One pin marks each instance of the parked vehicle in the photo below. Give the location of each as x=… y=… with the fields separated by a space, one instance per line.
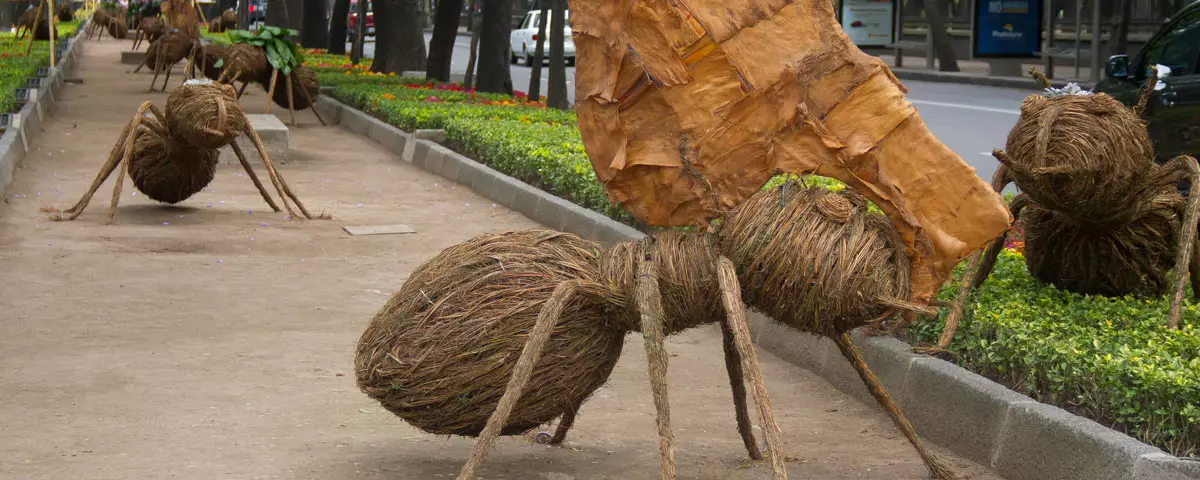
x=352 y=21
x=1173 y=112
x=523 y=40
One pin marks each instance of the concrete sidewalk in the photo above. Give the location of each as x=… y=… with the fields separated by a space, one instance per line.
x=215 y=339
x=976 y=72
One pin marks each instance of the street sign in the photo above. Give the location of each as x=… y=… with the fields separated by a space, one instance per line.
x=869 y=23
x=1007 y=28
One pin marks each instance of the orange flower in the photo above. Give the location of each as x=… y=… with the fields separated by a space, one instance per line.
x=387 y=96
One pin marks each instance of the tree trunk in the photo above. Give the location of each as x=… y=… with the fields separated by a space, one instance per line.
x=943 y=45
x=243 y=14
x=356 y=52
x=399 y=40
x=277 y=13
x=539 y=52
x=469 y=78
x=315 y=31
x=493 y=70
x=556 y=97
x=295 y=13
x=337 y=27
x=441 y=46
x=1120 y=26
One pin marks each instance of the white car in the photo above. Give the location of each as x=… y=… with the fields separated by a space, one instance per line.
x=523 y=40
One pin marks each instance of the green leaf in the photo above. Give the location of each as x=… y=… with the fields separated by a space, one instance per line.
x=273 y=56
x=219 y=63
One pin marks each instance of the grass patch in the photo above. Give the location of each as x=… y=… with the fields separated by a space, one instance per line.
x=16 y=66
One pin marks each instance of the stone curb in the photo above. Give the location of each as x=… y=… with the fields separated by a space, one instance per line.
x=1020 y=83
x=14 y=143
x=951 y=406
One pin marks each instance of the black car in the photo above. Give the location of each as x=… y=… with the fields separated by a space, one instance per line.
x=1173 y=112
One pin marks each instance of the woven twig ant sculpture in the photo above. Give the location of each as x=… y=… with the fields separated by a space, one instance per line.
x=33 y=23
x=440 y=353
x=172 y=156
x=150 y=29
x=1100 y=215
x=168 y=50
x=245 y=61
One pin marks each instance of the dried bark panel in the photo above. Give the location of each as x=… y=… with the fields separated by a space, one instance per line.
x=713 y=97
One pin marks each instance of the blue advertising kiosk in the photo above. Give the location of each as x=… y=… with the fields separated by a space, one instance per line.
x=1006 y=29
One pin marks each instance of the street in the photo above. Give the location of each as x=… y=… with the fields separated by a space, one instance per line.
x=971 y=120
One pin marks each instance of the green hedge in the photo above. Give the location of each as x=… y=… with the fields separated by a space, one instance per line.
x=547 y=156
x=1109 y=359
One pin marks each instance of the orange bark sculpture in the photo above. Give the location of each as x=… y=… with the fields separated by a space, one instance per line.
x=687 y=107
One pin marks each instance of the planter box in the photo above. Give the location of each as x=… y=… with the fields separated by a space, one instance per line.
x=22 y=95
x=34 y=82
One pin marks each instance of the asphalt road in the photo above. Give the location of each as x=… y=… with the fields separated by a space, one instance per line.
x=971 y=120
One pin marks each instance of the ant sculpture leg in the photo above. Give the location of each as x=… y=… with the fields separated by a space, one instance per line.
x=986 y=262
x=189 y=71
x=157 y=67
x=149 y=46
x=1187 y=240
x=731 y=298
x=237 y=150
x=313 y=106
x=981 y=263
x=846 y=344
x=167 y=67
x=125 y=144
x=291 y=98
x=649 y=305
x=565 y=424
x=733 y=364
x=285 y=192
x=539 y=336
x=271 y=90
x=114 y=159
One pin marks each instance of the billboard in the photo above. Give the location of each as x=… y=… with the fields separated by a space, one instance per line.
x=1007 y=28
x=869 y=23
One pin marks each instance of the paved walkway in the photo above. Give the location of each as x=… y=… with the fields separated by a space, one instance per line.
x=206 y=342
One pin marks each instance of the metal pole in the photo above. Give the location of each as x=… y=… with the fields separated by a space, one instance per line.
x=1096 y=34
x=929 y=63
x=898 y=34
x=1048 y=51
x=1078 y=36
x=971 y=6
x=356 y=51
x=50 y=22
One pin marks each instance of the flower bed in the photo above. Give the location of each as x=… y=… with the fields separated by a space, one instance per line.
x=16 y=67
x=1108 y=359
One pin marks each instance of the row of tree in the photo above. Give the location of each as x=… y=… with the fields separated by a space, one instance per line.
x=400 y=38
